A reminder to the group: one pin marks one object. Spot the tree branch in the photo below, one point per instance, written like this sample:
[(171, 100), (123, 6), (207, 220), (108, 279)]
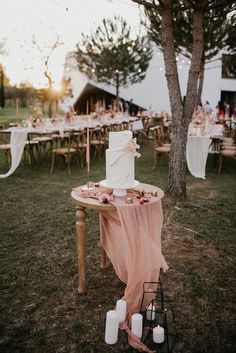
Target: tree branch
[(149, 5)]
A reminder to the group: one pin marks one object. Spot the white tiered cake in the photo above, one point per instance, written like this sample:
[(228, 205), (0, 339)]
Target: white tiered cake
[(120, 160)]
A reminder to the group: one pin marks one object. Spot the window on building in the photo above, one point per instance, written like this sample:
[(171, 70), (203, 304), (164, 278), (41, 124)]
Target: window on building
[(228, 66)]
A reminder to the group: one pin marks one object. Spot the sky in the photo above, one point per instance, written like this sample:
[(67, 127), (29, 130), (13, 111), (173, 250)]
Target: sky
[(47, 21)]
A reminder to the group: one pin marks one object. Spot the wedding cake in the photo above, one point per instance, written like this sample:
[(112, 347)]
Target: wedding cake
[(120, 160)]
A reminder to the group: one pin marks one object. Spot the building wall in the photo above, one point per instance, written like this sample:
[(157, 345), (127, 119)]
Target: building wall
[(152, 92)]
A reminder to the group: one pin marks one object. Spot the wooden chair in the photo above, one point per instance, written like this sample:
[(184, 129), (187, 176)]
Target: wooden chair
[(97, 141), (5, 146), (66, 152), (44, 143), (160, 147), (29, 152), (228, 149), (79, 142)]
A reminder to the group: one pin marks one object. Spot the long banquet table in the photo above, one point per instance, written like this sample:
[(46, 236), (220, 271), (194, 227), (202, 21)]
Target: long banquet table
[(19, 135)]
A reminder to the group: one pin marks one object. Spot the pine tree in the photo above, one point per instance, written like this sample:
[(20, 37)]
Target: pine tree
[(181, 110), (112, 56), (217, 26)]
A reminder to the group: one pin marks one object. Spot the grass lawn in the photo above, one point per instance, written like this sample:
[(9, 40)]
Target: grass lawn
[(8, 115), (40, 308)]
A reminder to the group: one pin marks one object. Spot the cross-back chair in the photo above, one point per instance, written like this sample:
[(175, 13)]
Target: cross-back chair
[(228, 149), (5, 146), (66, 152), (160, 147)]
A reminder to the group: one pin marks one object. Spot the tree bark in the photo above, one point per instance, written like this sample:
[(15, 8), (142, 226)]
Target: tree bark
[(181, 113), (201, 80), (176, 178)]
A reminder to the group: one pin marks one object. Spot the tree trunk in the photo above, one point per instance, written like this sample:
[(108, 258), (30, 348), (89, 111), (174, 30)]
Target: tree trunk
[(176, 179), (201, 80), (2, 91), (49, 106), (181, 113), (49, 93)]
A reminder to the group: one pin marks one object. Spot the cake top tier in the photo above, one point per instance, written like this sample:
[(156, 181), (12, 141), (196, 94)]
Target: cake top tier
[(118, 139)]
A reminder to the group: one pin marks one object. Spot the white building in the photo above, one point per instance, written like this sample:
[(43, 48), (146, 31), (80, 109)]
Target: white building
[(152, 92)]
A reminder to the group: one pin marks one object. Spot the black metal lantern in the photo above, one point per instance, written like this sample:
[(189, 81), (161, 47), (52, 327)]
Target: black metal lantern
[(159, 330)]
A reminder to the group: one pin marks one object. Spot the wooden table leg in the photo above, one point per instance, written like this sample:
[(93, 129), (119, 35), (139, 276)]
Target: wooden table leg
[(81, 247)]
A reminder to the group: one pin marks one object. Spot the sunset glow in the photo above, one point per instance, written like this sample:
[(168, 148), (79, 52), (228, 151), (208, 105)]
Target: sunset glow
[(47, 20)]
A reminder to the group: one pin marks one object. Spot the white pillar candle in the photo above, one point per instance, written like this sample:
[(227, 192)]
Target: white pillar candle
[(121, 306), (158, 334), (137, 325), (150, 313), (112, 326)]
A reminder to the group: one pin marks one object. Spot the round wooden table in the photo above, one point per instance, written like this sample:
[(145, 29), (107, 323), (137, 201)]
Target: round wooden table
[(82, 203)]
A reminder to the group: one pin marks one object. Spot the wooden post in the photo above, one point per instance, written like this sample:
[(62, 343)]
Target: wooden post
[(17, 110)]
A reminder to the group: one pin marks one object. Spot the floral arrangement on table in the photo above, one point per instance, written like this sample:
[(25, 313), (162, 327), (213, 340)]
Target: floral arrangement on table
[(201, 122), (69, 117), (198, 117), (36, 117)]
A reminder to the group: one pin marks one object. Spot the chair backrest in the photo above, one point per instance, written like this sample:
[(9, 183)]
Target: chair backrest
[(4, 137), (79, 139), (67, 140), (228, 143), (158, 137), (137, 125)]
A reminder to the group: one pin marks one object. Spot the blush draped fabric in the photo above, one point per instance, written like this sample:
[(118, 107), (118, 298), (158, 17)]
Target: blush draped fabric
[(131, 238)]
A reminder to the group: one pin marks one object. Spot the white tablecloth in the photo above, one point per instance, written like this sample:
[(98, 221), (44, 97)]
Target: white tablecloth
[(17, 141), (19, 135), (196, 154)]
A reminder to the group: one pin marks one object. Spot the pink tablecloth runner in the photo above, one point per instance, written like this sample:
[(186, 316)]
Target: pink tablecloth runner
[(131, 238)]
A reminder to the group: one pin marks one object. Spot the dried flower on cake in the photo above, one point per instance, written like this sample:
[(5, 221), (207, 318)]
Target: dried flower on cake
[(131, 147)]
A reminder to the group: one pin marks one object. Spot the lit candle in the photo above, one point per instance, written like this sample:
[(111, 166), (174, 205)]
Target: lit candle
[(150, 313), (137, 325), (158, 334), (112, 326), (121, 306)]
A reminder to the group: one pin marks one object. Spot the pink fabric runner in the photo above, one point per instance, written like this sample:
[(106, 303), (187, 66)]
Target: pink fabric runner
[(131, 238)]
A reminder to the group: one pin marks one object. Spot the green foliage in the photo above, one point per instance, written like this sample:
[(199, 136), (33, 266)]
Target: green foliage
[(230, 39), (218, 27), (111, 51)]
